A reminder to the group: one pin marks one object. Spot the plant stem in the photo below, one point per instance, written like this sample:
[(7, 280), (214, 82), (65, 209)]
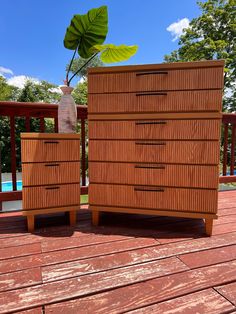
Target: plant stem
[(84, 65), (71, 61)]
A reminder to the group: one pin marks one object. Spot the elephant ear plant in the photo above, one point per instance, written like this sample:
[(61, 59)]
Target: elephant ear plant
[(86, 35)]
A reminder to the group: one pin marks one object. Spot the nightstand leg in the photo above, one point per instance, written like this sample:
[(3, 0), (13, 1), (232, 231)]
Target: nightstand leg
[(95, 217), (209, 226), (73, 218), (30, 223)]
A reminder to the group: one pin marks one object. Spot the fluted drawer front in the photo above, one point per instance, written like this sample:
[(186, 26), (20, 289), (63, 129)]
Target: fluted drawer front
[(181, 152), (192, 200), (51, 196), (174, 101), (50, 173), (50, 150), (155, 129), (154, 174), (181, 79)]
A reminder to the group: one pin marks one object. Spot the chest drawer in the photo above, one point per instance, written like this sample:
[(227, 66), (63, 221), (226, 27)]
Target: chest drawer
[(157, 80), (41, 150), (154, 174), (171, 101), (155, 129), (180, 152), (154, 197), (51, 196), (50, 173)]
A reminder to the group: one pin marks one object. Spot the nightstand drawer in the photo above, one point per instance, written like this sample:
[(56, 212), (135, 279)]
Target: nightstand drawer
[(146, 102), (50, 173), (51, 196), (41, 150), (157, 80), (180, 152), (156, 129), (154, 197), (154, 174)]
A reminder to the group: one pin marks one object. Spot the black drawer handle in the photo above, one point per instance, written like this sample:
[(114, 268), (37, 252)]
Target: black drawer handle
[(149, 167), (52, 188), (51, 142), (151, 72), (150, 143), (151, 94), (143, 189), (52, 165), (150, 122)]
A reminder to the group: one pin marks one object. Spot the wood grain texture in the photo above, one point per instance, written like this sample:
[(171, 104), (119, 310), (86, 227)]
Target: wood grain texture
[(156, 129), (50, 173), (154, 174), (51, 196), (178, 199), (181, 79), (185, 152), (33, 150), (171, 101), (228, 291), (207, 301)]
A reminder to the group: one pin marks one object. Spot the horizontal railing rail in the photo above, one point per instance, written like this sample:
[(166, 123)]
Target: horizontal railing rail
[(41, 111)]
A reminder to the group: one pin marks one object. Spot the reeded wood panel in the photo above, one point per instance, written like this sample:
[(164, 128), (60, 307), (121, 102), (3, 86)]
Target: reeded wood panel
[(180, 101), (192, 200), (50, 150), (180, 152), (50, 173), (155, 129), (51, 196), (181, 79), (154, 174)]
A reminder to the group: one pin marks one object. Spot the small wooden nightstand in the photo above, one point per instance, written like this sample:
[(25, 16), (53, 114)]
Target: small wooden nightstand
[(50, 174)]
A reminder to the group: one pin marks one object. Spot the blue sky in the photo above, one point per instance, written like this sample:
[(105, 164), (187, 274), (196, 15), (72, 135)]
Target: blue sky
[(32, 32)]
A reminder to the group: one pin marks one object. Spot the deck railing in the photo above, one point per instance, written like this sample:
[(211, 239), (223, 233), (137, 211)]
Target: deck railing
[(43, 110)]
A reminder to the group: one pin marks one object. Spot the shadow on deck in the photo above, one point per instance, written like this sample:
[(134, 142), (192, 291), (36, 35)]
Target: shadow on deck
[(130, 263)]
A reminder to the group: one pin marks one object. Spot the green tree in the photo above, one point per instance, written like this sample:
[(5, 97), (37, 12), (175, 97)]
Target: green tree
[(212, 35), (7, 92), (80, 93)]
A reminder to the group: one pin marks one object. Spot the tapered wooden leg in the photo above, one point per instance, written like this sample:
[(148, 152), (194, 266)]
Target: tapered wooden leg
[(73, 218), (30, 223), (209, 226), (95, 217)]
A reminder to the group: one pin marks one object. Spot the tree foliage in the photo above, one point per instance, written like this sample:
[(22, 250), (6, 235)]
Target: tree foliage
[(212, 35), (79, 62), (80, 93)]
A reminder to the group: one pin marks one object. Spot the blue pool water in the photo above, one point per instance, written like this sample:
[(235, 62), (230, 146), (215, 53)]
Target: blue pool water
[(7, 186)]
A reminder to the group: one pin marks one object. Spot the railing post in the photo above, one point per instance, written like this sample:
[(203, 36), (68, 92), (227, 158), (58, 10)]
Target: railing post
[(13, 151), (83, 153), (226, 129), (232, 154)]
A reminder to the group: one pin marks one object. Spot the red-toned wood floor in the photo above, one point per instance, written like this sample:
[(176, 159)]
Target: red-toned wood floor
[(134, 264)]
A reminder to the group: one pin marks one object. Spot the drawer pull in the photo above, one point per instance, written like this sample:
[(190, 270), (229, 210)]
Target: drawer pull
[(149, 167), (151, 72), (51, 142), (150, 122), (150, 143), (52, 188), (151, 94), (52, 165), (143, 189)]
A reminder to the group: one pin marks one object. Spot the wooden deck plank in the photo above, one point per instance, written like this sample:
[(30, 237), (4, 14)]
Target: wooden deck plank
[(22, 250), (228, 291), (20, 279), (37, 310), (207, 301), (209, 257), (87, 284), (156, 290)]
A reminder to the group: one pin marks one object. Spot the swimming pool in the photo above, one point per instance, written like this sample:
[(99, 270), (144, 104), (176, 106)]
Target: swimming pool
[(7, 186)]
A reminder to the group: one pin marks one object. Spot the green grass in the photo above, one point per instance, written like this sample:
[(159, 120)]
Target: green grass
[(84, 199)]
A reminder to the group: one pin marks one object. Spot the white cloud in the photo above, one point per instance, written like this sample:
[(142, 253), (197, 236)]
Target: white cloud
[(20, 80), (55, 90), (176, 28), (5, 71)]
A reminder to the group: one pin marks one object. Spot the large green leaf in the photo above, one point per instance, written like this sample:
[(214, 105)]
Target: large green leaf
[(111, 53), (86, 31)]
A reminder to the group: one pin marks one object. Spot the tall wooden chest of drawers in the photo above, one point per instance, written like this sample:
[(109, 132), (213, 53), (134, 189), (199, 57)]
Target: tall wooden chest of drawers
[(154, 135), (50, 174)]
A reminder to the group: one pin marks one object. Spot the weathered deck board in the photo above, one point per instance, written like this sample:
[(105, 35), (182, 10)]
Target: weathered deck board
[(154, 264)]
